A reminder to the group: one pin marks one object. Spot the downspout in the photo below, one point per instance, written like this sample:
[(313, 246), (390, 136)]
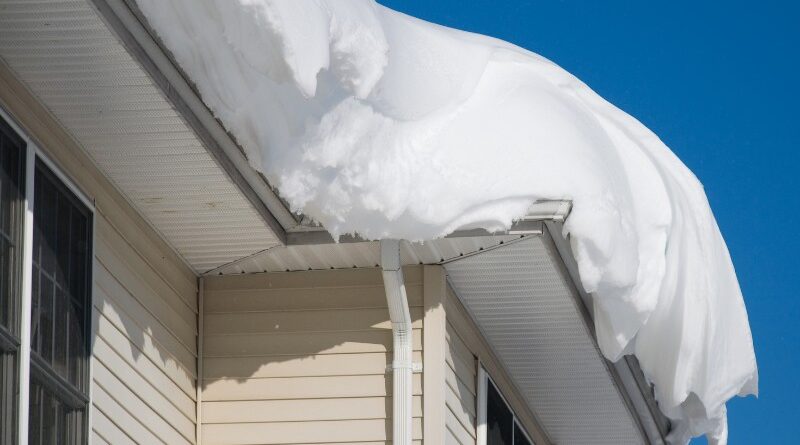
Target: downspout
[(402, 366)]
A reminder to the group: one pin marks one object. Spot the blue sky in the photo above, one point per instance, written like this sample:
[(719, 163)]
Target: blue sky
[(719, 82)]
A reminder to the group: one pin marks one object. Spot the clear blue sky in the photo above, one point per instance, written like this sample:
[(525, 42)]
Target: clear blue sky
[(720, 84)]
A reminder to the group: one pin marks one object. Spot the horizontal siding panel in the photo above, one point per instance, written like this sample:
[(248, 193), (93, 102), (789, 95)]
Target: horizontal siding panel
[(302, 410), (172, 368), (300, 321), (157, 297), (463, 409), (347, 431), (110, 320), (299, 366), (145, 374), (168, 320), (450, 438), (153, 396), (259, 300), (348, 342), (303, 387), (111, 244), (128, 315), (465, 372), (106, 429), (144, 403), (97, 439), (123, 418), (458, 348), (467, 385), (461, 435), (149, 247)]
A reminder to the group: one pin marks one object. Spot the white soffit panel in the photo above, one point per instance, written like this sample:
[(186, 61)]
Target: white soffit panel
[(63, 51), (522, 301), (359, 254)]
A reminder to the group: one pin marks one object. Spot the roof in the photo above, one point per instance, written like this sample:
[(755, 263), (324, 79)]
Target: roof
[(119, 94)]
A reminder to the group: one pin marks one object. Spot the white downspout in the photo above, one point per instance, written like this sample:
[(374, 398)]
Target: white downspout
[(402, 365)]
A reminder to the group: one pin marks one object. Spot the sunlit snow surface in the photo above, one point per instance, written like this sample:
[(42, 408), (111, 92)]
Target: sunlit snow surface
[(374, 122)]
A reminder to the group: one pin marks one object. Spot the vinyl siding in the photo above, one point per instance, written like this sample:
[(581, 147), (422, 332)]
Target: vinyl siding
[(144, 301), (460, 389), (300, 357), (144, 350)]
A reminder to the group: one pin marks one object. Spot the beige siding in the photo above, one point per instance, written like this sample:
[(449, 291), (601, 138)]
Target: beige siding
[(144, 348), (460, 379), (144, 302), (301, 357)]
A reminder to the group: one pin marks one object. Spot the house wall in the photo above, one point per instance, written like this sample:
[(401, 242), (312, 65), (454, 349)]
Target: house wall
[(301, 357), (145, 305)]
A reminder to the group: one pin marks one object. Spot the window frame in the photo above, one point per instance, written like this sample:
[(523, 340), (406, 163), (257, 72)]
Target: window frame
[(34, 152), (484, 380)]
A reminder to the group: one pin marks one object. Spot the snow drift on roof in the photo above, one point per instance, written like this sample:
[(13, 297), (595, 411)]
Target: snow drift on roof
[(374, 122)]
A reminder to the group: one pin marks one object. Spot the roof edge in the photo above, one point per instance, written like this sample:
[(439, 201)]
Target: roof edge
[(553, 210), (628, 376)]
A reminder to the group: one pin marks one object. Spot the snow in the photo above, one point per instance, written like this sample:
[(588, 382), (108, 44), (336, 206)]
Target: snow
[(374, 122)]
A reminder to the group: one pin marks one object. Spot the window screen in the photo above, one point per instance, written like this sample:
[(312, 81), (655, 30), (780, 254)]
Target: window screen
[(12, 198), (61, 278)]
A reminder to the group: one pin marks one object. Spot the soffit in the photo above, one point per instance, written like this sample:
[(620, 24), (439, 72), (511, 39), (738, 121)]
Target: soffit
[(522, 300), (66, 55)]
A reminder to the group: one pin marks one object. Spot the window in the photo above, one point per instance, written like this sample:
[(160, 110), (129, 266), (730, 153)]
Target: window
[(51, 368), (59, 313), (497, 424), (12, 200)]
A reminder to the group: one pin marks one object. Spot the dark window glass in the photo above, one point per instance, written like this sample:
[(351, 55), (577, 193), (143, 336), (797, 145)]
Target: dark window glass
[(12, 199), (60, 313), (499, 420), (52, 420), (8, 401), (519, 436)]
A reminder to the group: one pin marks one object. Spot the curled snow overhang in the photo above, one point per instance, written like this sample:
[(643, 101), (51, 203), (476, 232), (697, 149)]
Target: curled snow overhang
[(376, 123)]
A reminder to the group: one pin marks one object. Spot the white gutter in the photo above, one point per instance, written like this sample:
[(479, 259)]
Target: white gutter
[(402, 366)]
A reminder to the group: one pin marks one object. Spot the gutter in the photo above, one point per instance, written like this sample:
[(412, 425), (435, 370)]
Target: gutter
[(545, 210), (402, 365)]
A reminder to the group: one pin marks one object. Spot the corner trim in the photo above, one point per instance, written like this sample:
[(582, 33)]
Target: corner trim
[(434, 327)]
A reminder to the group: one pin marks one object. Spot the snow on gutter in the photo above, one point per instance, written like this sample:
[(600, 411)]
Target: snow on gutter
[(376, 123)]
